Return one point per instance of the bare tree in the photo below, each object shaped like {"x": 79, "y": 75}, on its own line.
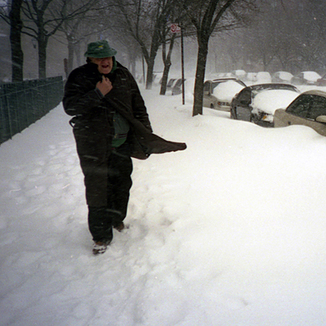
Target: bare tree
{"x": 166, "y": 57}
{"x": 146, "y": 21}
{"x": 180, "y": 21}
{"x": 210, "y": 17}
{"x": 43, "y": 18}
{"x": 17, "y": 55}
{"x": 309, "y": 34}
{"x": 12, "y": 16}
{"x": 115, "y": 31}
{"x": 81, "y": 26}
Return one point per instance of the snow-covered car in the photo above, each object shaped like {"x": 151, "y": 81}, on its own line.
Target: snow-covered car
{"x": 321, "y": 81}
{"x": 218, "y": 93}
{"x": 263, "y": 77}
{"x": 251, "y": 78}
{"x": 308, "y": 109}
{"x": 265, "y": 104}
{"x": 239, "y": 73}
{"x": 306, "y": 78}
{"x": 257, "y": 103}
{"x": 282, "y": 77}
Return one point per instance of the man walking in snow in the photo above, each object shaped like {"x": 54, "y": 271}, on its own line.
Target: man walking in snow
{"x": 110, "y": 125}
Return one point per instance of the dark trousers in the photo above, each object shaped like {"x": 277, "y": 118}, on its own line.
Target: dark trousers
{"x": 102, "y": 219}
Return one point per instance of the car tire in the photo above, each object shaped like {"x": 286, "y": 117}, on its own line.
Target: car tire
{"x": 253, "y": 119}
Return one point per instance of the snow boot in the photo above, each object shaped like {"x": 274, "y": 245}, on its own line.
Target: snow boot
{"x": 100, "y": 247}
{"x": 121, "y": 226}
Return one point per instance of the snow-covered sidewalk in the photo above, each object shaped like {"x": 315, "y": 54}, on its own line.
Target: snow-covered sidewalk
{"x": 229, "y": 232}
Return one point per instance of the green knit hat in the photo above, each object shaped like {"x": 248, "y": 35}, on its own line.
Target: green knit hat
{"x": 100, "y": 49}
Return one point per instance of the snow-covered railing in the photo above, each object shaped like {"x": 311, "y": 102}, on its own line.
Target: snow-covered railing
{"x": 22, "y": 103}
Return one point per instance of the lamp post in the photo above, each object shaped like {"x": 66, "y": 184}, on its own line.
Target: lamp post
{"x": 182, "y": 66}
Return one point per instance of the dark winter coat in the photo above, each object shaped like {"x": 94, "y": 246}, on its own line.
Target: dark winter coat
{"x": 93, "y": 124}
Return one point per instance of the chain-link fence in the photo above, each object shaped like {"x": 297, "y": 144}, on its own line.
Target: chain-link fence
{"x": 22, "y": 103}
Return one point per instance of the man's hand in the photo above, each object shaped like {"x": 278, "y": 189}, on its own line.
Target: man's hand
{"x": 104, "y": 86}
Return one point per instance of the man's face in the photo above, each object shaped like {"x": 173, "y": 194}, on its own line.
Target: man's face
{"x": 104, "y": 65}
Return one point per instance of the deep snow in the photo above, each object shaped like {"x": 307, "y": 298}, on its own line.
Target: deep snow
{"x": 229, "y": 232}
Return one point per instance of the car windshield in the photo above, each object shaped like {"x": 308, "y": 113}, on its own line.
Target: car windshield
{"x": 308, "y": 106}
{"x": 178, "y": 82}
{"x": 170, "y": 82}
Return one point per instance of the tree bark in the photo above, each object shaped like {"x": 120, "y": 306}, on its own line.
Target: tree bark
{"x": 167, "y": 64}
{"x": 156, "y": 42}
{"x": 200, "y": 75}
{"x": 150, "y": 69}
{"x": 17, "y": 55}
{"x": 205, "y": 25}
{"x": 42, "y": 44}
{"x": 71, "y": 51}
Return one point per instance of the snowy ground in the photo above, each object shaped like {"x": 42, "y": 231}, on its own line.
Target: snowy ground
{"x": 230, "y": 232}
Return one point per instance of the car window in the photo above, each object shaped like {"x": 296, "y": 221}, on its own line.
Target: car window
{"x": 214, "y": 84}
{"x": 317, "y": 107}
{"x": 308, "y": 106}
{"x": 300, "y": 107}
{"x": 169, "y": 84}
{"x": 178, "y": 83}
{"x": 244, "y": 97}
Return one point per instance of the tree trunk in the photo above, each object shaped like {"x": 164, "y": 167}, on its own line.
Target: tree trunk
{"x": 78, "y": 55}
{"x": 150, "y": 69}
{"x": 17, "y": 55}
{"x": 132, "y": 60}
{"x": 200, "y": 75}
{"x": 167, "y": 65}
{"x": 42, "y": 44}
{"x": 150, "y": 59}
{"x": 71, "y": 50}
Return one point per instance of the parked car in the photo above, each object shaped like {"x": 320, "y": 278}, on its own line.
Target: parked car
{"x": 177, "y": 86}
{"x": 218, "y": 93}
{"x": 306, "y": 78}
{"x": 170, "y": 84}
{"x": 263, "y": 77}
{"x": 282, "y": 77}
{"x": 321, "y": 81}
{"x": 251, "y": 78}
{"x": 266, "y": 102}
{"x": 239, "y": 73}
{"x": 257, "y": 103}
{"x": 174, "y": 86}
{"x": 157, "y": 77}
{"x": 308, "y": 109}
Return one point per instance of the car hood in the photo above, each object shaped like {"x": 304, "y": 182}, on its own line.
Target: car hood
{"x": 270, "y": 100}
